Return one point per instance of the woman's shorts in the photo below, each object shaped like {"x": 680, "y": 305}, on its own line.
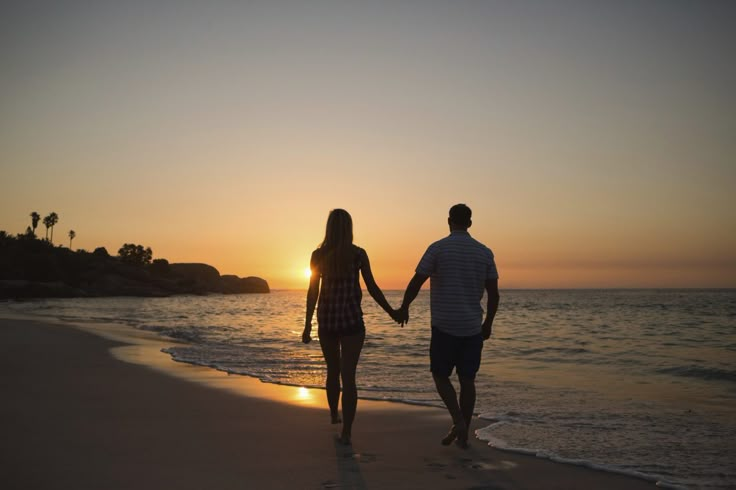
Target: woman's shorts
{"x": 344, "y": 332}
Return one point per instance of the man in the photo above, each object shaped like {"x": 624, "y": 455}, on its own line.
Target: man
{"x": 459, "y": 268}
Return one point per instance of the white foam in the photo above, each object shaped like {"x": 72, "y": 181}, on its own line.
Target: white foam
{"x": 485, "y": 434}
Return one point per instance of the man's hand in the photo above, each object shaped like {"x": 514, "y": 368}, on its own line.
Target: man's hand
{"x": 307, "y": 334}
{"x": 487, "y": 329}
{"x": 403, "y": 315}
{"x": 400, "y": 316}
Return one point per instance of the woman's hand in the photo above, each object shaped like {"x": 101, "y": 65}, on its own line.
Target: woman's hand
{"x": 307, "y": 334}
{"x": 400, "y": 316}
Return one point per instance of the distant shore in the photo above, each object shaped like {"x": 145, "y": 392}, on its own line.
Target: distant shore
{"x": 83, "y": 418}
{"x": 35, "y": 268}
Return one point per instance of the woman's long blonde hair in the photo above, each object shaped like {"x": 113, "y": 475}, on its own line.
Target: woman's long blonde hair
{"x": 338, "y": 243}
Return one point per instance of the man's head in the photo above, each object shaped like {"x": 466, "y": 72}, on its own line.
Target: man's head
{"x": 460, "y": 217}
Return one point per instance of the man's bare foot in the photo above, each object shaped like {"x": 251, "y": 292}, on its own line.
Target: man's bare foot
{"x": 451, "y": 436}
{"x": 345, "y": 439}
{"x": 462, "y": 436}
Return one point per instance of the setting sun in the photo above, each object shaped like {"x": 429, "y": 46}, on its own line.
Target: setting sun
{"x": 307, "y": 272}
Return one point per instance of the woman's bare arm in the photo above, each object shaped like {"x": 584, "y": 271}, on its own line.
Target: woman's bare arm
{"x": 373, "y": 289}
{"x": 312, "y": 295}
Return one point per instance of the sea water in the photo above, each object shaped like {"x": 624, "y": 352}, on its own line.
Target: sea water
{"x": 641, "y": 382}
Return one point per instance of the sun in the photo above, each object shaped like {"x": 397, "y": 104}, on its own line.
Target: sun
{"x": 307, "y": 272}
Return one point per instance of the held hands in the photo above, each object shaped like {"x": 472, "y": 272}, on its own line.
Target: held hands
{"x": 400, "y": 316}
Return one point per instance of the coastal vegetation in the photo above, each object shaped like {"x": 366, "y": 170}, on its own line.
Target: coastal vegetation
{"x": 32, "y": 267}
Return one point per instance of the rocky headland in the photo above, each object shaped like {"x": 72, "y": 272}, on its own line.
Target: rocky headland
{"x": 33, "y": 268}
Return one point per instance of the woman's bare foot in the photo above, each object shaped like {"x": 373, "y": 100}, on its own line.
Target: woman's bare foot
{"x": 345, "y": 439}
{"x": 335, "y": 419}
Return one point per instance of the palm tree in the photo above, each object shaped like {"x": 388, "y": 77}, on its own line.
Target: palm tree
{"x": 50, "y": 221}
{"x": 72, "y": 234}
{"x": 47, "y": 224}
{"x": 35, "y": 217}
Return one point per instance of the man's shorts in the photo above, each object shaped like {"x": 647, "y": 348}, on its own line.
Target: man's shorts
{"x": 461, "y": 353}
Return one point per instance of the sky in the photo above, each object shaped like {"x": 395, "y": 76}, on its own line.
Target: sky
{"x": 594, "y": 141}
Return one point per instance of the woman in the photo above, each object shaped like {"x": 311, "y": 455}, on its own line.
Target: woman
{"x": 337, "y": 264}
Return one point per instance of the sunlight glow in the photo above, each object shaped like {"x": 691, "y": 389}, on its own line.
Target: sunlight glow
{"x": 307, "y": 272}
{"x": 305, "y": 396}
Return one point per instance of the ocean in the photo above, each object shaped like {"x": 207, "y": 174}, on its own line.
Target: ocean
{"x": 641, "y": 382}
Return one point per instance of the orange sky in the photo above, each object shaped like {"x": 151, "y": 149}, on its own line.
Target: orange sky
{"x": 593, "y": 143}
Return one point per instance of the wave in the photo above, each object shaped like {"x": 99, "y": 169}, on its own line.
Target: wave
{"x": 700, "y": 372}
{"x": 264, "y": 378}
{"x": 555, "y": 350}
{"x": 485, "y": 434}
{"x": 185, "y": 334}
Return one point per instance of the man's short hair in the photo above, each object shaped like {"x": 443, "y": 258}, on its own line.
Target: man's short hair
{"x": 460, "y": 215}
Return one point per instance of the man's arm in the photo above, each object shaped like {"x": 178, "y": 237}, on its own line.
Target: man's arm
{"x": 411, "y": 293}
{"x": 493, "y": 299}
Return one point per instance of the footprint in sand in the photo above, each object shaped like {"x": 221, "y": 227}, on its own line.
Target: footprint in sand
{"x": 434, "y": 465}
{"x": 486, "y": 465}
{"x": 363, "y": 457}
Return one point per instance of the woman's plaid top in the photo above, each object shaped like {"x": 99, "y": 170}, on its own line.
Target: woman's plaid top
{"x": 338, "y": 307}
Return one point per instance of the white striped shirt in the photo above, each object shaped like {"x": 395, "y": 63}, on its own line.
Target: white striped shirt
{"x": 458, "y": 267}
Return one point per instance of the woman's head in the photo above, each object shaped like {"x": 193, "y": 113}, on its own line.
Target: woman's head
{"x": 338, "y": 243}
{"x": 339, "y": 230}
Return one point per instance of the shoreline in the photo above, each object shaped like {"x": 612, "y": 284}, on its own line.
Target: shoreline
{"x": 417, "y": 462}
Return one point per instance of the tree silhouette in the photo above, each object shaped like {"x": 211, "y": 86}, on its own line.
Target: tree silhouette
{"x": 135, "y": 254}
{"x": 35, "y": 218}
{"x": 72, "y": 234}
{"x": 49, "y": 222}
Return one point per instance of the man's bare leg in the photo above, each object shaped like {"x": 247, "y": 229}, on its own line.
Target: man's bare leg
{"x": 449, "y": 396}
{"x": 467, "y": 400}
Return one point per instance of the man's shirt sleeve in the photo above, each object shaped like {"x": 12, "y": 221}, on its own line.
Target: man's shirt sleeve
{"x": 427, "y": 264}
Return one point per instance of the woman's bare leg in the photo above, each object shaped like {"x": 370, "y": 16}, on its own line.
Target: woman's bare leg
{"x": 331, "y": 352}
{"x": 351, "y": 348}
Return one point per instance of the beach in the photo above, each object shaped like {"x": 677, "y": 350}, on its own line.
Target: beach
{"x": 86, "y": 410}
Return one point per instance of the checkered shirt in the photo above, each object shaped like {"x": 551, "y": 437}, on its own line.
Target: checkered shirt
{"x": 338, "y": 308}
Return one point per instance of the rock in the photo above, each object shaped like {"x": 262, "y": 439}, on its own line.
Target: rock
{"x": 230, "y": 284}
{"x": 254, "y": 285}
{"x": 18, "y": 289}
{"x": 202, "y": 275}
{"x": 31, "y": 268}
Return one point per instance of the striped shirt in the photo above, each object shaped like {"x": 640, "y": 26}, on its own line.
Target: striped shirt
{"x": 458, "y": 267}
{"x": 338, "y": 307}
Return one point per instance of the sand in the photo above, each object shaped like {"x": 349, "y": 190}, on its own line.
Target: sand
{"x": 85, "y": 411}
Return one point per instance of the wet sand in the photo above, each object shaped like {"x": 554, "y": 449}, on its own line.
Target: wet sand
{"x": 107, "y": 409}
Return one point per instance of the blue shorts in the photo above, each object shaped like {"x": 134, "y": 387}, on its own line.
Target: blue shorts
{"x": 461, "y": 353}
